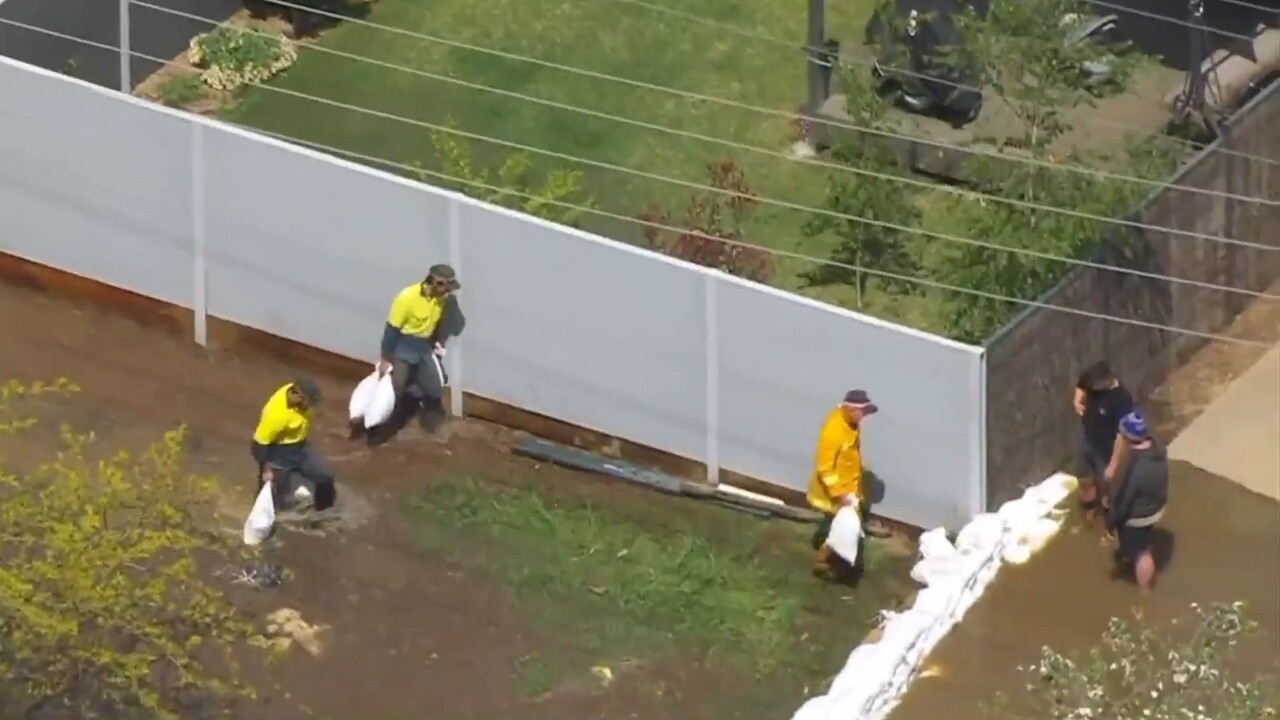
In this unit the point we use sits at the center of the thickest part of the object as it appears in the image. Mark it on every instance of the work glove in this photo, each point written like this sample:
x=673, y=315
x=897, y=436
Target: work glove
x=439, y=351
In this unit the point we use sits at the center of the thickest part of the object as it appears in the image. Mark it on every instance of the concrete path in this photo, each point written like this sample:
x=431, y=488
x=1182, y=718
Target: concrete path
x=1238, y=435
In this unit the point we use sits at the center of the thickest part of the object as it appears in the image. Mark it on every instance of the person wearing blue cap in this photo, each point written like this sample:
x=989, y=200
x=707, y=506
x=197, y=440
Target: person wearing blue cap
x=1141, y=492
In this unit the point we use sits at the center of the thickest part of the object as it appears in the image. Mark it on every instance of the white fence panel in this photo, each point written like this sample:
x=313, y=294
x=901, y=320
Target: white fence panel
x=95, y=185
x=589, y=331
x=309, y=248
x=786, y=362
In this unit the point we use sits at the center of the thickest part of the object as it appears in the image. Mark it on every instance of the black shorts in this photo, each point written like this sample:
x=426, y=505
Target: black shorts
x=1134, y=541
x=1090, y=462
x=823, y=530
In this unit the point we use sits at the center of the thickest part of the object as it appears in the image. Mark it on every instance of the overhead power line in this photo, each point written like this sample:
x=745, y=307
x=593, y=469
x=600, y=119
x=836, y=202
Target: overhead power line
x=689, y=95
x=841, y=167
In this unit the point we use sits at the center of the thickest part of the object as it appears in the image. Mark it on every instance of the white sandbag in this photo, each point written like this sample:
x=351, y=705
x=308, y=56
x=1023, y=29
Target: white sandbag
x=382, y=404
x=261, y=518
x=846, y=534
x=981, y=534
x=935, y=544
x=362, y=396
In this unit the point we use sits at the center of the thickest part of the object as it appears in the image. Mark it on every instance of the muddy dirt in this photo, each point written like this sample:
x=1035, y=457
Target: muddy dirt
x=380, y=629
x=1223, y=544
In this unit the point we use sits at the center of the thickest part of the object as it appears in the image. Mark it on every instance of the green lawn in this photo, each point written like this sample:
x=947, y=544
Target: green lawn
x=605, y=36
x=639, y=580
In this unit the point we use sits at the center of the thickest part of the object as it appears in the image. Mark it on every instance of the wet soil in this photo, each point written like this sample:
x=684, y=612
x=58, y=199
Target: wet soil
x=410, y=634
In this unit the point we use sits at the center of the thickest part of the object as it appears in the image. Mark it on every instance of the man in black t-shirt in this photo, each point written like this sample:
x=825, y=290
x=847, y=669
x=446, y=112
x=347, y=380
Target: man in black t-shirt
x=1100, y=401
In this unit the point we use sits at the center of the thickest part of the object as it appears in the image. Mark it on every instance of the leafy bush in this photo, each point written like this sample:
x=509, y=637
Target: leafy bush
x=104, y=609
x=711, y=227
x=231, y=57
x=548, y=197
x=1148, y=673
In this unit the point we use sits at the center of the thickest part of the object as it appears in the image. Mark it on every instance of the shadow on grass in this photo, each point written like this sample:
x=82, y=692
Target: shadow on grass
x=715, y=588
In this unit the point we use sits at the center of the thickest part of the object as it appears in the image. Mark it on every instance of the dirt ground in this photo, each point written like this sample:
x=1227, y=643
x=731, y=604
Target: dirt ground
x=404, y=634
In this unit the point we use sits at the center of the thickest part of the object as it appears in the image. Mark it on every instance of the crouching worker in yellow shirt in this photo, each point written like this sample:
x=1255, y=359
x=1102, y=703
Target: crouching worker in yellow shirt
x=280, y=446
x=837, y=476
x=422, y=319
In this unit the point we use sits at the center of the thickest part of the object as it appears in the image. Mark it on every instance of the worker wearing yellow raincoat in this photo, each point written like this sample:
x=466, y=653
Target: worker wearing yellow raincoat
x=837, y=475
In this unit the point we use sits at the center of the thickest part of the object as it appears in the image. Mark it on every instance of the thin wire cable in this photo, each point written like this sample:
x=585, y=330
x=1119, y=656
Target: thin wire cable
x=708, y=188
x=373, y=160
x=780, y=253
x=962, y=240
x=688, y=95
x=927, y=185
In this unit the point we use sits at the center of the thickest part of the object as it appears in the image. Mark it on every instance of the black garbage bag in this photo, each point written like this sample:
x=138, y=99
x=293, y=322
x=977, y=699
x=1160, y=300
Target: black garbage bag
x=922, y=57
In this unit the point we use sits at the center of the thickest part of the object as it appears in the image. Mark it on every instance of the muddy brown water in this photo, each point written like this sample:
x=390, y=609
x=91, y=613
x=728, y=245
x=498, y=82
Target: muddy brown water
x=1222, y=544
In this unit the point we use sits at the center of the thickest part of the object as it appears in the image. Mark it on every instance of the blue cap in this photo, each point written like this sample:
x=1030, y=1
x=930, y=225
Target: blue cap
x=1134, y=425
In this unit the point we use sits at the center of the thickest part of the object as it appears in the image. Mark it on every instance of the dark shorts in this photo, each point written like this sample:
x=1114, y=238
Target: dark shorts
x=823, y=530
x=1090, y=462
x=1134, y=541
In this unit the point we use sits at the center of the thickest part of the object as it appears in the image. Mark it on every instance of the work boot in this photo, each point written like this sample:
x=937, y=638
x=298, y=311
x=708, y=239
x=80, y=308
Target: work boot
x=431, y=416
x=822, y=567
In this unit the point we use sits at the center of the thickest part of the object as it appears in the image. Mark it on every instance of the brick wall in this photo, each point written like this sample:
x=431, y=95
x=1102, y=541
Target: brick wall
x=1033, y=362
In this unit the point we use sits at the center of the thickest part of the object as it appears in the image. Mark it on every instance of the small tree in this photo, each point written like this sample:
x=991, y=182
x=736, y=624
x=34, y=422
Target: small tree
x=105, y=609
x=711, y=228
x=867, y=243
x=556, y=196
x=1148, y=673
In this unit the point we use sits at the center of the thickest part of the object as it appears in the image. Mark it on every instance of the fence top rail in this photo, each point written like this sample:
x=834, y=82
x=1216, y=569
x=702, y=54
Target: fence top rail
x=459, y=197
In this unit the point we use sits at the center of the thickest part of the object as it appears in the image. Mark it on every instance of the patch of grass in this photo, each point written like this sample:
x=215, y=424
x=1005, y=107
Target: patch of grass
x=182, y=90
x=626, y=577
x=654, y=588
x=537, y=675
x=605, y=37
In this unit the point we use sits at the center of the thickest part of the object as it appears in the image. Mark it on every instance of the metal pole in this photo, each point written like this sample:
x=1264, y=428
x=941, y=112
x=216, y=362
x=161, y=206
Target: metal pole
x=454, y=357
x=126, y=81
x=711, y=318
x=200, y=271
x=816, y=54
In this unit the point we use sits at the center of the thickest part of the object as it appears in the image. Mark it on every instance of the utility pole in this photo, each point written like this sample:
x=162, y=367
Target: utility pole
x=816, y=54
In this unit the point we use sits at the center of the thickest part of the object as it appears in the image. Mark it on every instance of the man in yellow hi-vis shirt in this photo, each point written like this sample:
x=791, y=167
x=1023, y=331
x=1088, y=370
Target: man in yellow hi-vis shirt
x=837, y=474
x=422, y=319
x=281, y=449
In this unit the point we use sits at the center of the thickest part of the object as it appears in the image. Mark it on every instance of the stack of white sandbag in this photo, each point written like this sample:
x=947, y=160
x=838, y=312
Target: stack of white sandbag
x=373, y=400
x=877, y=674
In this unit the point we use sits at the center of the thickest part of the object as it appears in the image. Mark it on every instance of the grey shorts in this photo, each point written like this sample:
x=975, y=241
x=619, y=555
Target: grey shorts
x=1090, y=462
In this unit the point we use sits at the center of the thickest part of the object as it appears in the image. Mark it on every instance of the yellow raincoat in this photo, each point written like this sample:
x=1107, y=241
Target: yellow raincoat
x=837, y=464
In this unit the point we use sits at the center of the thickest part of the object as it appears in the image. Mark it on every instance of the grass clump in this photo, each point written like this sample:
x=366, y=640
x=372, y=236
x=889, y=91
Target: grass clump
x=655, y=589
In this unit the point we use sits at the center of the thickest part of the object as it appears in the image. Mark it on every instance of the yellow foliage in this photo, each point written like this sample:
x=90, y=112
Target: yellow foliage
x=105, y=604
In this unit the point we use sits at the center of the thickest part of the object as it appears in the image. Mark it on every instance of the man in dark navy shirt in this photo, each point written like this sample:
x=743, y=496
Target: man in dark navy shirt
x=1100, y=401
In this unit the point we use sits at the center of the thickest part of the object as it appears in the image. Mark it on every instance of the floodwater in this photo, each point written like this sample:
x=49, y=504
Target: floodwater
x=1222, y=544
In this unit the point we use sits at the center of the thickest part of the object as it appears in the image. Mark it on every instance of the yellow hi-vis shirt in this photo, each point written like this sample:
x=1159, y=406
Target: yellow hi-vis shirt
x=415, y=313
x=281, y=424
x=837, y=464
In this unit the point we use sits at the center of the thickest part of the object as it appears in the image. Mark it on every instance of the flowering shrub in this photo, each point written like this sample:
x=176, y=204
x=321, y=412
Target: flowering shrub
x=1145, y=673
x=230, y=57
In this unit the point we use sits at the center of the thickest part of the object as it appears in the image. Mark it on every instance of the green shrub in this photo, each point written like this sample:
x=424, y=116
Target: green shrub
x=231, y=57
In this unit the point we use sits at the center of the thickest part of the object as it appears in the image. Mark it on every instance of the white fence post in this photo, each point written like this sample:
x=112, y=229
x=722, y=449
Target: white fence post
x=126, y=54
x=200, y=272
x=454, y=357
x=712, y=321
